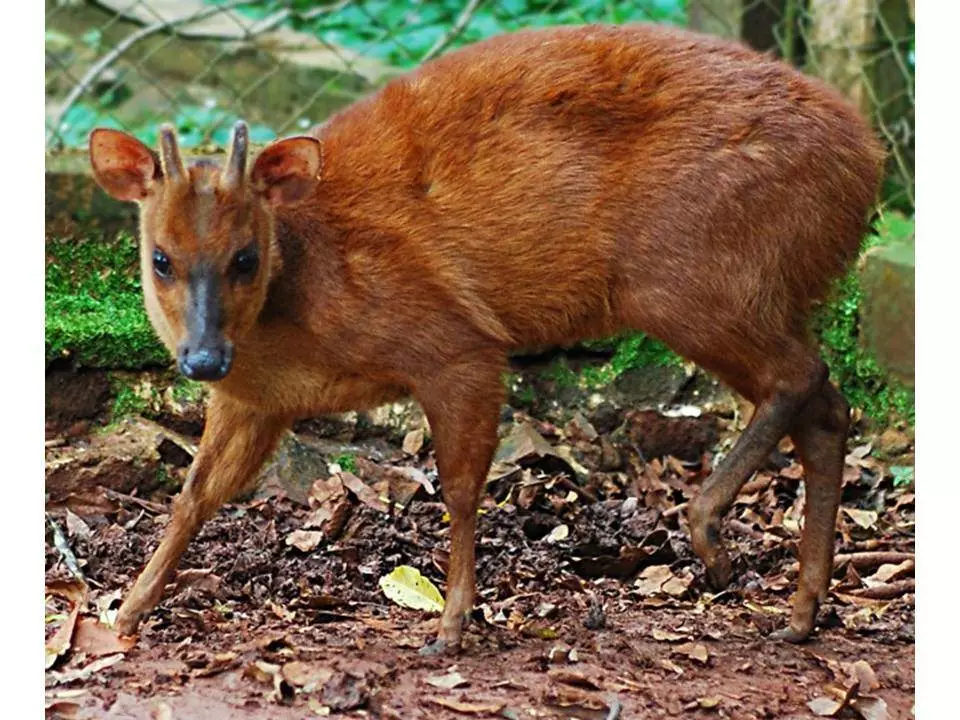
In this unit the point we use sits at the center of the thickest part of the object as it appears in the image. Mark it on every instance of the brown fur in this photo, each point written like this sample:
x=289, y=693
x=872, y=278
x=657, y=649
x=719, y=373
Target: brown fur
x=534, y=189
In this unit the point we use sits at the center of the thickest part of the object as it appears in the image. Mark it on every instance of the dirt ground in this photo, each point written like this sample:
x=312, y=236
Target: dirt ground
x=591, y=603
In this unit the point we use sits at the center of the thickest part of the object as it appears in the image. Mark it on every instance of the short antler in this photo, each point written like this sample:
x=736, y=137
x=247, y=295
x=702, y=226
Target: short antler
x=173, y=168
x=237, y=160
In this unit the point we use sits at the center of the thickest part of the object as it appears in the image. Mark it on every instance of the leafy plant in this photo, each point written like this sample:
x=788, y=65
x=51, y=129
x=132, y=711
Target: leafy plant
x=347, y=462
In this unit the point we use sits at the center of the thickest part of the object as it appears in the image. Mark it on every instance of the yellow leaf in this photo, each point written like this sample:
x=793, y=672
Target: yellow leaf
x=408, y=588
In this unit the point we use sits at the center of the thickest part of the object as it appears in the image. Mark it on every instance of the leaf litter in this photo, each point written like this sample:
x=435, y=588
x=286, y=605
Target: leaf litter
x=584, y=566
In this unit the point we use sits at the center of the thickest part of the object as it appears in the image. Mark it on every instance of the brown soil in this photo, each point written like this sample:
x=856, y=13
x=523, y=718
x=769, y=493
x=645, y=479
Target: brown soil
x=567, y=624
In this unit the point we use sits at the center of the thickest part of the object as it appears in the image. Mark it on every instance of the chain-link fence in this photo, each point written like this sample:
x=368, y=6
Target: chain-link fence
x=284, y=65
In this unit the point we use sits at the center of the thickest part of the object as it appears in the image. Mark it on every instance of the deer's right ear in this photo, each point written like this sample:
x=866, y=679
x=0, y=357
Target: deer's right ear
x=122, y=165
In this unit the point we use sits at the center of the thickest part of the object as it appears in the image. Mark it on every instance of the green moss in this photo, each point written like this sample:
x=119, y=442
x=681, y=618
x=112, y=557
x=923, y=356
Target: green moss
x=133, y=396
x=630, y=352
x=128, y=402
x=187, y=391
x=347, y=462
x=94, y=307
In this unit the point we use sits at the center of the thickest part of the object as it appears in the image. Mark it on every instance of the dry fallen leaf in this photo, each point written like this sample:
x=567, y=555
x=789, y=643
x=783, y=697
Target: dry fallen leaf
x=888, y=572
x=825, y=707
x=77, y=527
x=306, y=675
x=96, y=639
x=364, y=493
x=652, y=579
x=74, y=592
x=668, y=636
x=867, y=519
x=60, y=678
x=670, y=665
x=449, y=681
x=468, y=708
x=197, y=579
x=870, y=708
x=407, y=587
x=413, y=441
x=695, y=651
x=560, y=532
x=304, y=540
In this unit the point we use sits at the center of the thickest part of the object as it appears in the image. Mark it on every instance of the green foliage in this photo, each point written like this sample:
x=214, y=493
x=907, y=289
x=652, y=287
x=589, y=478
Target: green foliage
x=94, y=308
x=347, y=462
x=902, y=475
x=837, y=324
x=401, y=32
x=196, y=124
x=630, y=352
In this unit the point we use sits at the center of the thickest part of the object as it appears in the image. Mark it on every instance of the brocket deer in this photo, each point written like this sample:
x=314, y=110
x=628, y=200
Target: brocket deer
x=537, y=188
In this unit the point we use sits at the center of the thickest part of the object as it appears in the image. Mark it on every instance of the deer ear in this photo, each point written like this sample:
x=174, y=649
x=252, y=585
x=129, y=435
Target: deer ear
x=122, y=165
x=287, y=170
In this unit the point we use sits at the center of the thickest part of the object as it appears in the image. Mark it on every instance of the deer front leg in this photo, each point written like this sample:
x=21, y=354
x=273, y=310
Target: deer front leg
x=236, y=441
x=462, y=405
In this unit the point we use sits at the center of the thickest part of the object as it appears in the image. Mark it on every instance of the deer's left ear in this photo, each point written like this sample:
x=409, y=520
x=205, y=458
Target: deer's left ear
x=287, y=171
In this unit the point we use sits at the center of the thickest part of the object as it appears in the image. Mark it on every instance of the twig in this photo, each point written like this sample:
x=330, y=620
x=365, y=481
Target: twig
x=63, y=547
x=568, y=484
x=140, y=502
x=887, y=591
x=744, y=529
x=675, y=510
x=454, y=32
x=867, y=560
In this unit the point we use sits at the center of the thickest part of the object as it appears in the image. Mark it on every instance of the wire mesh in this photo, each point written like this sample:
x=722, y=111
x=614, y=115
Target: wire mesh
x=285, y=65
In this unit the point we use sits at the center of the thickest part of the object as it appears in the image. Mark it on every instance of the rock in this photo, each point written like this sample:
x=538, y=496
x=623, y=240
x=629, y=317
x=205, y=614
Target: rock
x=887, y=311
x=684, y=438
x=301, y=460
x=126, y=460
x=395, y=419
x=893, y=442
x=72, y=396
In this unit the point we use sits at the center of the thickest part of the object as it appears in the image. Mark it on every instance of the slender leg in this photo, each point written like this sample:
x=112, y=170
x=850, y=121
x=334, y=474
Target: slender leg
x=236, y=441
x=820, y=434
x=774, y=416
x=463, y=407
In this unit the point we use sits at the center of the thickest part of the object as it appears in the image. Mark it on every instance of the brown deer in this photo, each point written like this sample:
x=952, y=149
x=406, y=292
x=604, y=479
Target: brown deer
x=534, y=189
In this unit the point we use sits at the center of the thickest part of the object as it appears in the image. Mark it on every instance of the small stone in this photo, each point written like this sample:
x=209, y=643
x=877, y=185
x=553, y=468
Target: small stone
x=629, y=507
x=893, y=442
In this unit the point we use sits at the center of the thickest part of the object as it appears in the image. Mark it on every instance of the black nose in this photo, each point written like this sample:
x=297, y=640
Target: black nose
x=206, y=363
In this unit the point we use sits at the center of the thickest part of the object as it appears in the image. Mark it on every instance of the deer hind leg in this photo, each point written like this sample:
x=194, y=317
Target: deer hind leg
x=820, y=434
x=236, y=441
x=780, y=388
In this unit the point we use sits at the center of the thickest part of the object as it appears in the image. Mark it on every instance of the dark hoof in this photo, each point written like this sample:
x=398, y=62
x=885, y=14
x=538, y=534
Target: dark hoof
x=439, y=647
x=790, y=635
x=720, y=572
x=127, y=622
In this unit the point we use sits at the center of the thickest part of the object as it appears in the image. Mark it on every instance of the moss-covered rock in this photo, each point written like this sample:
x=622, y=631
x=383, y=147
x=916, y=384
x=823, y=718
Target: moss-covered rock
x=94, y=306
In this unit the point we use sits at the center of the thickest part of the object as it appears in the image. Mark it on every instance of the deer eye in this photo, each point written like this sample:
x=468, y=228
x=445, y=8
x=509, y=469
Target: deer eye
x=161, y=264
x=246, y=262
